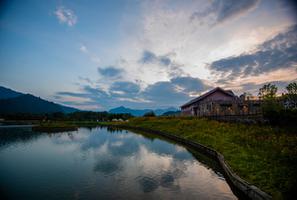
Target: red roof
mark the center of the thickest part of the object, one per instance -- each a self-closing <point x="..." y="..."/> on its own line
<point x="228" y="92"/>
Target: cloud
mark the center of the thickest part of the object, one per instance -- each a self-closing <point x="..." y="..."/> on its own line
<point x="110" y="71"/>
<point x="190" y="84"/>
<point x="174" y="92"/>
<point x="83" y="49"/>
<point x="85" y="79"/>
<point x="158" y="95"/>
<point x="164" y="93"/>
<point x="220" y="11"/>
<point x="164" y="63"/>
<point x="150" y="57"/>
<point x="66" y="15"/>
<point x="253" y="88"/>
<point x="164" y="27"/>
<point x="125" y="87"/>
<point x="159" y="61"/>
<point x="279" y="52"/>
<point x="93" y="57"/>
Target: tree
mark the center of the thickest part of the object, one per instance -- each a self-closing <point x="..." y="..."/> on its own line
<point x="270" y="106"/>
<point x="149" y="114"/>
<point x="268" y="91"/>
<point x="292" y="88"/>
<point x="291" y="96"/>
<point x="281" y="111"/>
<point x="246" y="96"/>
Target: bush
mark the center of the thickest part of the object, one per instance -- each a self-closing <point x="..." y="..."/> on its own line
<point x="283" y="117"/>
<point x="149" y="114"/>
<point x="277" y="114"/>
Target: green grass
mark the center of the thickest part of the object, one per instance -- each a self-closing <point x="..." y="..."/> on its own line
<point x="262" y="155"/>
<point x="60" y="126"/>
<point x="68" y="124"/>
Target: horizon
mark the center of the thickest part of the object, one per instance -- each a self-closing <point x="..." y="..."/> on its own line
<point x="145" y="54"/>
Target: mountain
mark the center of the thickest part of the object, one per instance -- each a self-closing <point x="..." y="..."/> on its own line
<point x="15" y="102"/>
<point x="162" y="111"/>
<point x="133" y="112"/>
<point x="6" y="93"/>
<point x="172" y="113"/>
<point x="139" y="112"/>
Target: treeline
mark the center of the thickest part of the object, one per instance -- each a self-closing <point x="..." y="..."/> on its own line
<point x="60" y="116"/>
<point x="279" y="110"/>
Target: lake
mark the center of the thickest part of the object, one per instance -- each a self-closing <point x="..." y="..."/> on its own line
<point x="104" y="163"/>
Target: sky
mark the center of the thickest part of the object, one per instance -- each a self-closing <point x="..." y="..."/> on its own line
<point x="97" y="55"/>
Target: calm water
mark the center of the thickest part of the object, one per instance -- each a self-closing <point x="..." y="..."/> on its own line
<point x="103" y="164"/>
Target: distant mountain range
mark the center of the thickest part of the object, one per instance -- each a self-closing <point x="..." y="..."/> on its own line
<point x="16" y="102"/>
<point x="141" y="112"/>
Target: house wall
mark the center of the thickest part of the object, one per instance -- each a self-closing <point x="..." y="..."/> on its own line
<point x="187" y="111"/>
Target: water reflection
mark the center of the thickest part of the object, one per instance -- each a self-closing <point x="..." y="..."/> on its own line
<point x="10" y="136"/>
<point x="106" y="163"/>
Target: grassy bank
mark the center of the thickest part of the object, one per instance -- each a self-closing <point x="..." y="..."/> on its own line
<point x="262" y="155"/>
<point x="60" y="126"/>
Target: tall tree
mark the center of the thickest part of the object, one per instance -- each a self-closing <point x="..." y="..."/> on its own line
<point x="292" y="88"/>
<point x="292" y="95"/>
<point x="268" y="91"/>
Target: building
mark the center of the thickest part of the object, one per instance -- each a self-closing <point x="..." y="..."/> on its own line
<point x="220" y="102"/>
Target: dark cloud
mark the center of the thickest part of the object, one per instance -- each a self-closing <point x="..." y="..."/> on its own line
<point x="173" y="92"/>
<point x="190" y="84"/>
<point x="101" y="98"/>
<point x="150" y="57"/>
<point x="75" y="103"/>
<point x="97" y="92"/>
<point x="173" y="69"/>
<point x="165" y="60"/>
<point x="92" y="95"/>
<point x="126" y="87"/>
<point x="278" y="53"/>
<point x="87" y="80"/>
<point x="223" y="10"/>
<point x="72" y="94"/>
<point x="158" y="95"/>
<point x="110" y="71"/>
<point x="164" y="92"/>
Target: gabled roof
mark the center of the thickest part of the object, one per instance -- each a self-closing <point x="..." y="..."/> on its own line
<point x="203" y="96"/>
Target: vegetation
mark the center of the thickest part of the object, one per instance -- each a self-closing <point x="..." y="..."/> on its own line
<point x="263" y="155"/>
<point x="149" y="114"/>
<point x="57" y="122"/>
<point x="281" y="111"/>
<point x="268" y="91"/>
<point x="291" y="96"/>
<point x="172" y="113"/>
<point x="62" y="126"/>
<point x="60" y="116"/>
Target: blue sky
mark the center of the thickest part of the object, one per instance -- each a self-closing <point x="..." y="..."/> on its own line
<point x="97" y="55"/>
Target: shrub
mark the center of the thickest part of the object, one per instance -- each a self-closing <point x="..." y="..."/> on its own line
<point x="149" y="114"/>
